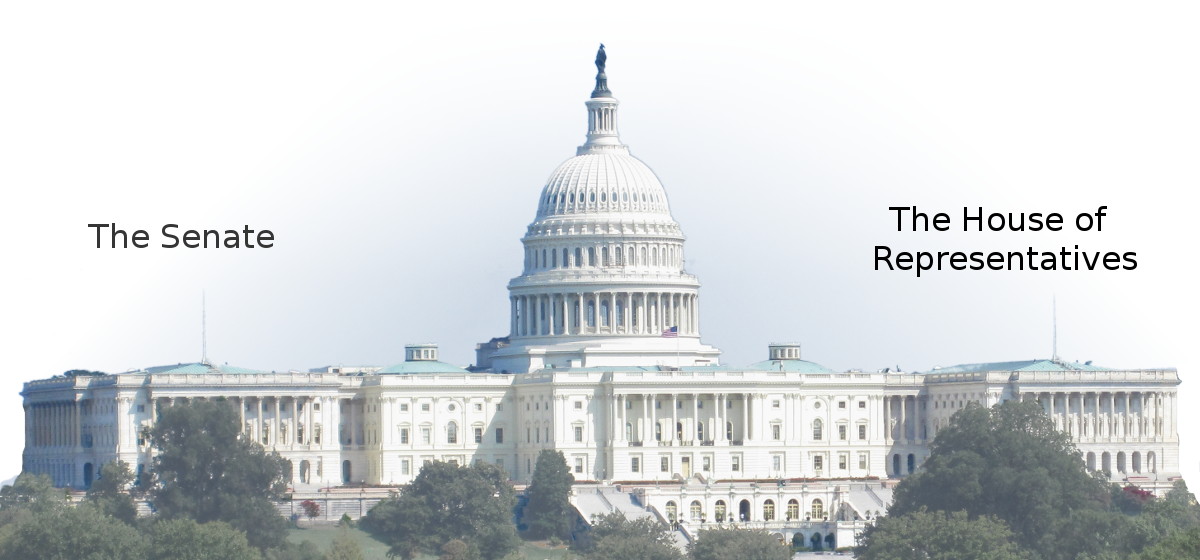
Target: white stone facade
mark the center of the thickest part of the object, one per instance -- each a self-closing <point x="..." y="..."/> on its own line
<point x="604" y="362"/>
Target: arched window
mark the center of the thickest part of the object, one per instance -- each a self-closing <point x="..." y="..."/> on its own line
<point x="700" y="431"/>
<point x="672" y="512"/>
<point x="679" y="431"/>
<point x="604" y="313"/>
<point x="793" y="511"/>
<point x="1120" y="461"/>
<point x="617" y="256"/>
<point x="1091" y="461"/>
<point x="628" y="431"/>
<point x="818" y="429"/>
<point x="657" y="431"/>
<point x="565" y="260"/>
<point x="591" y="314"/>
<point x="452" y="432"/>
<point x="304" y="471"/>
<point x="604" y="256"/>
<point x="1151" y="462"/>
<point x="620" y="313"/>
<point x="1106" y="462"/>
<point x="543" y="259"/>
<point x="591" y="256"/>
<point x="769" y="510"/>
<point x="641" y="255"/>
<point x="1137" y="462"/>
<point x="578" y="257"/>
<point x="553" y="259"/>
<point x="719" y="510"/>
<point x="654" y="256"/>
<point x="818" y="509"/>
<point x="694" y="510"/>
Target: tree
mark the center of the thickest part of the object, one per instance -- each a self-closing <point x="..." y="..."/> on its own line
<point x="184" y="539"/>
<point x="71" y="533"/>
<point x="109" y="492"/>
<point x="312" y="510"/>
<point x="549" y="513"/>
<point x="614" y="536"/>
<point x="1011" y="463"/>
<point x="937" y="535"/>
<point x="1176" y="547"/>
<point x="207" y="472"/>
<point x="446" y="502"/>
<point x="31" y="491"/>
<point x="344" y="547"/>
<point x="724" y="544"/>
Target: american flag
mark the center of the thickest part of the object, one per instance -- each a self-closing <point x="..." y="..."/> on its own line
<point x="672" y="332"/>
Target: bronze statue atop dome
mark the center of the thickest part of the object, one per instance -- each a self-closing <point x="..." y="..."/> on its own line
<point x="601" y="79"/>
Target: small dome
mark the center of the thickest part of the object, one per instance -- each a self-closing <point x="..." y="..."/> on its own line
<point x="597" y="183"/>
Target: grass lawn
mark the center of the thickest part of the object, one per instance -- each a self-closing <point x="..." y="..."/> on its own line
<point x="372" y="549"/>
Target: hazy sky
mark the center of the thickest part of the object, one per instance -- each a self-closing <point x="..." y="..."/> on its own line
<point x="397" y="154"/>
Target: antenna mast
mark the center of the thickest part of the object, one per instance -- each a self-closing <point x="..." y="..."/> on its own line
<point x="1054" y="350"/>
<point x="203" y="327"/>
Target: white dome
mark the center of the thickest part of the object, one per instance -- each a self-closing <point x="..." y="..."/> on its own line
<point x="606" y="182"/>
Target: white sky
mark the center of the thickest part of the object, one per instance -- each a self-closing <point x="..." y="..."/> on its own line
<point x="397" y="153"/>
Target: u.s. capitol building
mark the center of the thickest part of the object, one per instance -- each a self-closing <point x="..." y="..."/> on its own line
<point x="604" y="362"/>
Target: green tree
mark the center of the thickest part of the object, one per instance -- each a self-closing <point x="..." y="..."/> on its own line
<point x="34" y="492"/>
<point x="936" y="535"/>
<point x="184" y="539"/>
<point x="724" y="544"/>
<point x="206" y="472"/>
<point x="344" y="546"/>
<point x="1011" y="463"/>
<point x="109" y="492"/>
<point x="1180" y="546"/>
<point x="613" y="536"/>
<point x="446" y="502"/>
<point x="71" y="533"/>
<point x="548" y="512"/>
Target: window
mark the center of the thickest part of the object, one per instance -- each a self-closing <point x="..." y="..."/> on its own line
<point x="842" y="432"/>
<point x="579" y="465"/>
<point x="862" y="460"/>
<point x="719" y="509"/>
<point x="405" y="466"/>
<point x="769" y="510"/>
<point x="672" y="512"/>
<point x="793" y="511"/>
<point x="775" y="404"/>
<point x="862" y="404"/>
<point x="862" y="431"/>
<point x="817" y="404"/>
<point x="578" y="434"/>
<point x="528" y="435"/>
<point x="818" y="509"/>
<point x="499" y="407"/>
<point x="817" y="427"/>
<point x="737" y="464"/>
<point x="452" y="433"/>
<point x="478" y="435"/>
<point x="426" y="435"/>
<point x="777" y="462"/>
<point x="700" y="431"/>
<point x="818" y="463"/>
<point x="424" y="407"/>
<point x="664" y="464"/>
<point x="776" y="431"/>
<point x="141" y="408"/>
<point x="695" y="511"/>
<point x="843" y="461"/>
<point x="841" y="404"/>
<point x="404" y="436"/>
<point x="499" y="435"/>
<point x="657" y="431"/>
<point x="478" y="407"/>
<point x="635" y="465"/>
<point x="403" y="407"/>
<point x="707" y="464"/>
<point x="578" y="405"/>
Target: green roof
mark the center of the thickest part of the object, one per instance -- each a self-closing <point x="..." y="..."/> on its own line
<point x="420" y="366"/>
<point x="798" y="366"/>
<point x="1021" y="365"/>
<point x="197" y="367"/>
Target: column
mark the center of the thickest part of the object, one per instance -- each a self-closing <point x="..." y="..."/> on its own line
<point x="621" y="415"/>
<point x="695" y="417"/>
<point x="903" y="419"/>
<point x="646" y="407"/>
<point x="887" y="419"/>
<point x="745" y="416"/>
<point x="720" y="417"/>
<point x="1127" y="421"/>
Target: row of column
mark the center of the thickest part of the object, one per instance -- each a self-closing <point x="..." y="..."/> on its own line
<point x="644" y="255"/>
<point x="56" y="424"/>
<point x="712" y="432"/>
<point x="280" y="421"/>
<point x="1110" y="414"/>
<point x="906" y="419"/>
<point x="634" y="313"/>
